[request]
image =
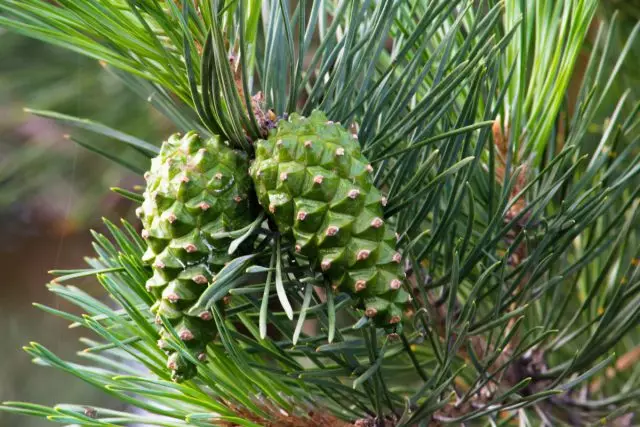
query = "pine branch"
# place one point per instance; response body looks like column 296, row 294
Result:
column 516, row 248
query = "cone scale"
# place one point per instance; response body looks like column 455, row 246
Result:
column 196, row 190
column 312, row 178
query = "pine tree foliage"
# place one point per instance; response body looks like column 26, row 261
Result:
column 519, row 236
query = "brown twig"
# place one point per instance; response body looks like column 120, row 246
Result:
column 624, row 363
column 278, row 417
column 265, row 117
column 524, row 367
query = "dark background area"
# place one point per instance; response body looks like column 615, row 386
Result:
column 51, row 192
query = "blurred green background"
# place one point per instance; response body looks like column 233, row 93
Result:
column 52, row 191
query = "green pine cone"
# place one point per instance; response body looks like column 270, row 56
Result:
column 312, row 178
column 196, row 190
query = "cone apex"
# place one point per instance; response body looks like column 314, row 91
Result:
column 377, row 223
column 332, row 230
column 186, row 335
